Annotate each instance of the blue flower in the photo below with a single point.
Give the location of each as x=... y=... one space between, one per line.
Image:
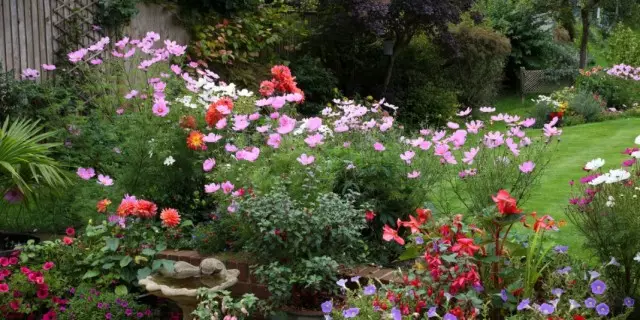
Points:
x=628 y=302
x=419 y=240
x=395 y=313
x=546 y=309
x=327 y=306
x=598 y=287
x=590 y=303
x=524 y=304
x=561 y=249
x=503 y=295
x=350 y=313
x=564 y=271
x=432 y=312
x=355 y=279
x=342 y=283
x=602 y=309
x=369 y=290
x=557 y=292
x=449 y=316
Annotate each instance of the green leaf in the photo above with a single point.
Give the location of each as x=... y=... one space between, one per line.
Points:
x=143 y=273
x=91 y=274
x=161 y=246
x=113 y=243
x=108 y=265
x=121 y=290
x=409 y=254
x=509 y=219
x=186 y=223
x=450 y=258
x=148 y=252
x=125 y=261
x=156 y=265
x=168 y=265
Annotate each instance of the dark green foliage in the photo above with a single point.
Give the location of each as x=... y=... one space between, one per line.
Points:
x=541 y=113
x=617 y=92
x=114 y=15
x=624 y=46
x=477 y=66
x=317 y=82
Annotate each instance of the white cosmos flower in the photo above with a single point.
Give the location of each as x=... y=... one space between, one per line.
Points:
x=594 y=164
x=169 y=161
x=638 y=140
x=600 y=179
x=617 y=175
x=245 y=93
x=636 y=154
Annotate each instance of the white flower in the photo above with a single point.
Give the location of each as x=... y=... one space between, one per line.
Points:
x=245 y=93
x=617 y=175
x=600 y=179
x=637 y=258
x=610 y=202
x=638 y=140
x=169 y=161
x=636 y=154
x=594 y=164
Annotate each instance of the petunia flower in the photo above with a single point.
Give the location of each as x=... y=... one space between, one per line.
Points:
x=432 y=312
x=396 y=314
x=371 y=290
x=628 y=302
x=546 y=309
x=573 y=304
x=449 y=316
x=350 y=313
x=561 y=249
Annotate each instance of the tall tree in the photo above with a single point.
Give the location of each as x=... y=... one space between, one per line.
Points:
x=586 y=10
x=400 y=20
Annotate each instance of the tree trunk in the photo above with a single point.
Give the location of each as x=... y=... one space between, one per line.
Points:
x=584 y=13
x=387 y=79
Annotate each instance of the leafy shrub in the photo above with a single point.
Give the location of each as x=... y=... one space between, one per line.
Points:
x=318 y=84
x=214 y=304
x=573 y=120
x=584 y=105
x=541 y=112
x=619 y=93
x=478 y=66
x=624 y=46
x=301 y=246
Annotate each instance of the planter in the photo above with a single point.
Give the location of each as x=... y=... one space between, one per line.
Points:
x=291 y=314
x=9 y=241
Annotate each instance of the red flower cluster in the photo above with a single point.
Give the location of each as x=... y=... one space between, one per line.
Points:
x=139 y=208
x=414 y=224
x=282 y=82
x=505 y=203
x=188 y=122
x=218 y=111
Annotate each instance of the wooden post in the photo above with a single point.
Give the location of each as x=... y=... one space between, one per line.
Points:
x=522 y=84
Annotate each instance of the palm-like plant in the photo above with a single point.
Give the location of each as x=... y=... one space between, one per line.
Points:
x=25 y=165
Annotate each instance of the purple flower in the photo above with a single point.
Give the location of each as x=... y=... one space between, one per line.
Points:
x=629 y=302
x=564 y=271
x=561 y=249
x=557 y=292
x=355 y=279
x=13 y=196
x=449 y=316
x=590 y=303
x=432 y=312
x=602 y=309
x=598 y=287
x=573 y=304
x=100 y=305
x=342 y=283
x=107 y=315
x=503 y=295
x=128 y=312
x=396 y=314
x=140 y=315
x=546 y=309
x=350 y=313
x=419 y=240
x=369 y=290
x=593 y=275
x=327 y=306
x=524 y=304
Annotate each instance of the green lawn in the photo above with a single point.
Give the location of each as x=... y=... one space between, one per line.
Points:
x=578 y=145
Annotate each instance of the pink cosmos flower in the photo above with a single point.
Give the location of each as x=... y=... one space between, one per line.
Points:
x=499 y=117
x=306 y=160
x=487 y=109
x=511 y=119
x=48 y=67
x=550 y=130
x=386 y=126
x=263 y=129
x=77 y=56
x=227 y=187
x=341 y=128
x=346 y=144
x=438 y=135
x=120 y=111
x=425 y=145
x=160 y=108
x=240 y=122
x=250 y=155
x=159 y=86
x=30 y=74
x=413 y=175
x=211 y=188
x=464 y=113
x=286 y=124
x=449 y=158
x=122 y=42
x=274 y=140
x=95 y=61
x=130 y=53
x=193 y=64
x=493 y=139
x=116 y=54
x=208 y=164
x=629 y=163
x=274 y=115
x=212 y=138
x=474 y=126
x=254 y=116
x=441 y=149
x=131 y=94
x=176 y=69
x=230 y=148
x=416 y=142
x=314 y=140
x=515 y=131
x=86 y=173
x=513 y=147
x=378 y=146
x=105 y=180
x=313 y=124
x=264 y=102
x=294 y=97
x=527 y=167
x=553 y=122
x=470 y=155
x=425 y=132
x=278 y=102
x=175 y=49
x=48 y=266
x=407 y=156
x=221 y=124
x=369 y=124
x=458 y=138
x=525 y=142
x=528 y=122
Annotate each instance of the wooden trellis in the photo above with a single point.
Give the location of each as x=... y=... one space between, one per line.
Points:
x=74 y=25
x=540 y=81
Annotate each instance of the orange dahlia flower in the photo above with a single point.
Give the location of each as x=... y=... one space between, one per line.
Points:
x=170 y=217
x=146 y=209
x=102 y=205
x=195 y=141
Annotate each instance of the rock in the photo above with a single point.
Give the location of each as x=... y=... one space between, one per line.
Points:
x=182 y=270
